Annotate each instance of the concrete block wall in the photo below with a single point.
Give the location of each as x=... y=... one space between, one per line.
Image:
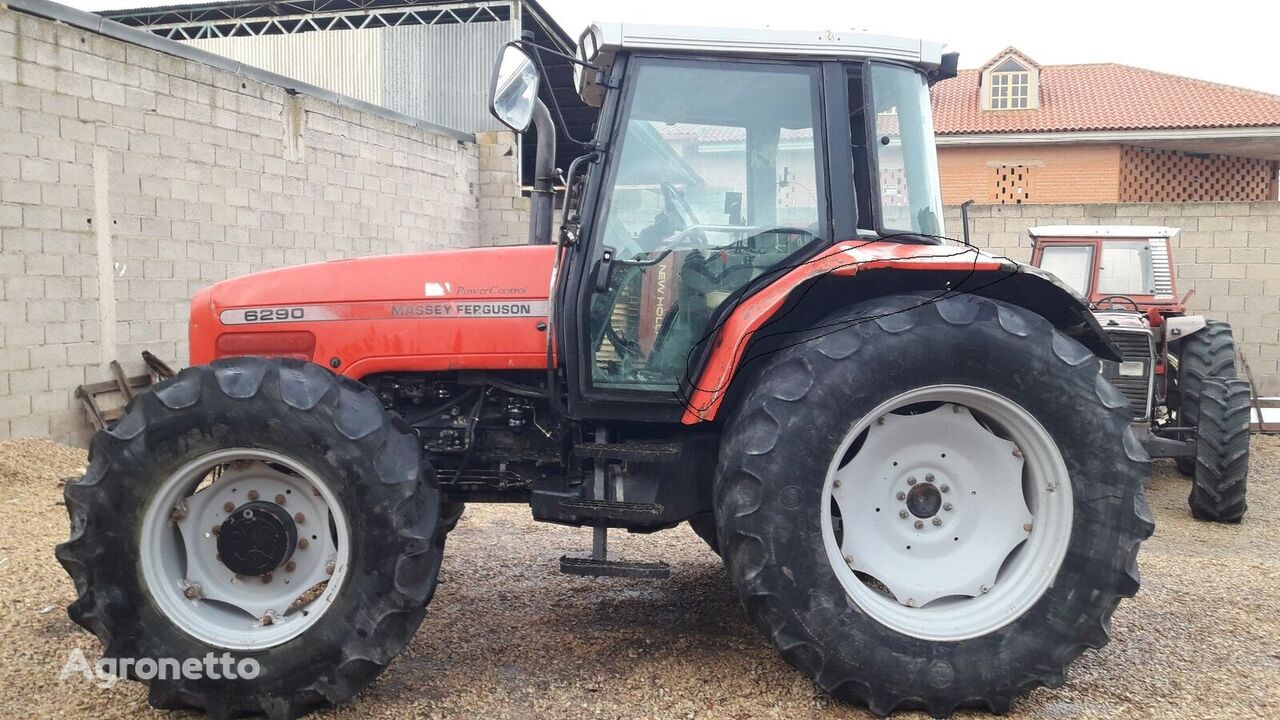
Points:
x=504 y=211
x=130 y=179
x=1227 y=253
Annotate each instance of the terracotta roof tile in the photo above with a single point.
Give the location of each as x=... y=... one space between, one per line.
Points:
x=1104 y=97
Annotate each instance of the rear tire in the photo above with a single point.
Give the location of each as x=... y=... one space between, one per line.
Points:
x=1204 y=355
x=1222 y=452
x=332 y=432
x=797 y=425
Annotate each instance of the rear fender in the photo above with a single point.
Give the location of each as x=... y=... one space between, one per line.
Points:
x=788 y=306
x=1180 y=326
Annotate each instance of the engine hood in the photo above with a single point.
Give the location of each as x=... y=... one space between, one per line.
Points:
x=483 y=308
x=480 y=273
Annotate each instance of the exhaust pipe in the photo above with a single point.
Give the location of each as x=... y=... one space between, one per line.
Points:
x=542 y=200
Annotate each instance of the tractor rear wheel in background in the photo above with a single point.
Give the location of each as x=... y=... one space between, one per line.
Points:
x=933 y=505
x=267 y=510
x=1204 y=355
x=1222 y=451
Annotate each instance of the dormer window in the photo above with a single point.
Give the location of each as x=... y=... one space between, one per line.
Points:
x=1011 y=81
x=1010 y=86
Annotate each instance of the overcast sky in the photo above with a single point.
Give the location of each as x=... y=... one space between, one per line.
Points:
x=1229 y=41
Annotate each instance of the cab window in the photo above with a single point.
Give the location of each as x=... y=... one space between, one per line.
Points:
x=715 y=179
x=1073 y=264
x=1125 y=269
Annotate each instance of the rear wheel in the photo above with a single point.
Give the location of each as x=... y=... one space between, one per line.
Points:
x=266 y=511
x=1205 y=355
x=1222 y=452
x=936 y=508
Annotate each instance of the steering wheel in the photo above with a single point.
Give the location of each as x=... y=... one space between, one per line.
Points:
x=1098 y=304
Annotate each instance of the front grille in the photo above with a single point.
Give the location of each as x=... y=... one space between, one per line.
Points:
x=1135 y=346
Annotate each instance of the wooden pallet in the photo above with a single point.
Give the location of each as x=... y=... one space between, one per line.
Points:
x=122 y=387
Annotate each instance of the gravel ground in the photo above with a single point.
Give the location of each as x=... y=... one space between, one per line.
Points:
x=508 y=637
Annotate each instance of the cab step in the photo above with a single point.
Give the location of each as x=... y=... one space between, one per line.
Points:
x=593 y=567
x=631 y=451
x=626 y=512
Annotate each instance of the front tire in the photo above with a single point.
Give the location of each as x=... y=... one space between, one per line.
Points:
x=905 y=360
x=210 y=496
x=1222 y=452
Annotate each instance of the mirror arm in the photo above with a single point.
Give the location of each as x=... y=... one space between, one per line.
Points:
x=542 y=200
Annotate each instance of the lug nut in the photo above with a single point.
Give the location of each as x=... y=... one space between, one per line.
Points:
x=911 y=602
x=902 y=514
x=946 y=506
x=919 y=524
x=928 y=477
x=945 y=488
x=985 y=589
x=228 y=506
x=880 y=421
x=1026 y=526
x=835 y=484
x=1017 y=453
x=253 y=494
x=191 y=591
x=215 y=529
x=269 y=618
x=937 y=521
x=329 y=568
x=279 y=499
x=911 y=480
x=266 y=578
x=178 y=514
x=299 y=518
x=290 y=566
x=847 y=558
x=302 y=544
x=902 y=495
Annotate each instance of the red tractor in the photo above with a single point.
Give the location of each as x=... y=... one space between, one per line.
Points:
x=1178 y=371
x=923 y=489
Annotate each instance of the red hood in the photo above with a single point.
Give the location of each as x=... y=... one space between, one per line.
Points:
x=503 y=272
x=482 y=308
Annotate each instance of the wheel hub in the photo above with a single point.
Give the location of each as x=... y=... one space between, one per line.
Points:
x=257 y=538
x=924 y=501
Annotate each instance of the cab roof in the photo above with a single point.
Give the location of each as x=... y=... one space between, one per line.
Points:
x=601 y=42
x=1102 y=231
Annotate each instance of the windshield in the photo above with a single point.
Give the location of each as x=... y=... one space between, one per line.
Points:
x=910 y=198
x=715 y=179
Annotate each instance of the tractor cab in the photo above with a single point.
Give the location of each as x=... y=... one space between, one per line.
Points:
x=1116 y=267
x=722 y=159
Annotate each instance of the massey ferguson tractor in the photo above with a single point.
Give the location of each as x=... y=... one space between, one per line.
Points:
x=1178 y=371
x=923 y=489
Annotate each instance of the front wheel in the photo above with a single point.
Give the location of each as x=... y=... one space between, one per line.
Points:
x=937 y=507
x=268 y=513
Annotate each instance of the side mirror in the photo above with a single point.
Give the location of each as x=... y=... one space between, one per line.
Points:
x=514 y=88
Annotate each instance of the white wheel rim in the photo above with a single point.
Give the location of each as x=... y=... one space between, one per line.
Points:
x=182 y=571
x=997 y=535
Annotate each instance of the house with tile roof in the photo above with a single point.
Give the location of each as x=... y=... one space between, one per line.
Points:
x=1014 y=131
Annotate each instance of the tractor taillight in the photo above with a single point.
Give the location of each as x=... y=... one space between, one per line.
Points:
x=297 y=344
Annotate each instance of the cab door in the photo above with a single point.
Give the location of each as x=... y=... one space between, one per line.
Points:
x=716 y=173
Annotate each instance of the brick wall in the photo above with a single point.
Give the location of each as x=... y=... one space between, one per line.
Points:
x=1228 y=253
x=1054 y=174
x=130 y=179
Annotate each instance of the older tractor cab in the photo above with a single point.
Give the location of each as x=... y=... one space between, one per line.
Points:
x=923 y=489
x=1178 y=371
